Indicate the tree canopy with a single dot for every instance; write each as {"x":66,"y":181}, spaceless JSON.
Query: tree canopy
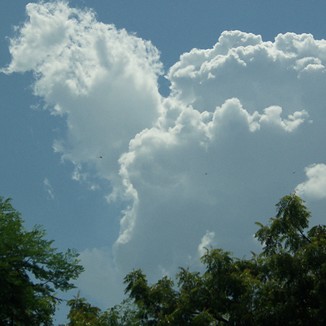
{"x":31,"y":271}
{"x":284,"y":284}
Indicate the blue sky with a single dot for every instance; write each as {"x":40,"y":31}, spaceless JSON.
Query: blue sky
{"x":141,"y":143}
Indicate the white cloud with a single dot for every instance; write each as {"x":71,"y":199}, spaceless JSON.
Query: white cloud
{"x":315,"y":186}
{"x":272,"y":115}
{"x":206,"y":243}
{"x":103,"y":81}
{"x":204,"y":172}
{"x":215,"y":155}
{"x":223,"y":150}
{"x":48,"y":188}
{"x":260,"y":74}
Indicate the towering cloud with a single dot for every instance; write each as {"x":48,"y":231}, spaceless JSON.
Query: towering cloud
{"x":103,"y":81}
{"x":241,"y":119}
{"x":197,"y":168}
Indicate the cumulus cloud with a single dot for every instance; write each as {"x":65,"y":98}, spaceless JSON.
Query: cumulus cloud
{"x":204,"y":172}
{"x":240,"y":118}
{"x":103,"y":81}
{"x":315,"y":186}
{"x":216,"y":154}
{"x":260,"y":74}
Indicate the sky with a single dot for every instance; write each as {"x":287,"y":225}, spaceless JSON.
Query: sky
{"x":142,"y":132}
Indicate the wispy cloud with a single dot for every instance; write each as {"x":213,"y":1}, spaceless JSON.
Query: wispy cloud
{"x":48,"y":188}
{"x":206,"y":243}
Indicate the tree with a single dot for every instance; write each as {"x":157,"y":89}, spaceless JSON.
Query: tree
{"x":154,"y":302}
{"x":82,"y":313}
{"x":31,"y":271}
{"x":292,"y":268}
{"x":285,"y":284}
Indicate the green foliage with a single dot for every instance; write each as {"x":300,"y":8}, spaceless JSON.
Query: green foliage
{"x":154,"y":302}
{"x":285,"y":284}
{"x":122,"y":314}
{"x":31,"y":270}
{"x":286,"y":230}
{"x":82,"y":314}
{"x":293,"y":266}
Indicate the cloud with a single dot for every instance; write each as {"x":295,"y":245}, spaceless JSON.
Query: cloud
{"x":48,"y":188}
{"x":242,"y":65}
{"x":206,"y":243}
{"x":101,"y":279}
{"x":216,"y":154}
{"x":207,"y":171}
{"x":240,"y":118}
{"x":101,"y":80}
{"x":315,"y":186}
